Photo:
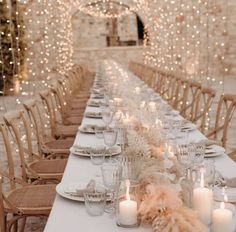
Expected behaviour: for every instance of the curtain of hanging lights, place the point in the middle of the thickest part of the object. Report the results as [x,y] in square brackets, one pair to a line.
[109,8]
[188,36]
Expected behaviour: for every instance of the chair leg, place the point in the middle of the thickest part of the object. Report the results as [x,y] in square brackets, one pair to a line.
[22,227]
[15,226]
[13,223]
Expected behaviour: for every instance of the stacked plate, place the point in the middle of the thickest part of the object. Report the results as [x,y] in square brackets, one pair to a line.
[231,194]
[75,190]
[93,114]
[90,129]
[188,127]
[213,151]
[94,103]
[86,151]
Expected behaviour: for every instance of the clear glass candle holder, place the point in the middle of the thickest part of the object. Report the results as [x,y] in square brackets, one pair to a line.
[127,204]
[131,166]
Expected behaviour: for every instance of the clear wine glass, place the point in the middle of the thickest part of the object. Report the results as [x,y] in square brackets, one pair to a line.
[185,156]
[107,117]
[110,138]
[199,151]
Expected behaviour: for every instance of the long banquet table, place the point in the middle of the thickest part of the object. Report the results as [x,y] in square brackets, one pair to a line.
[68,215]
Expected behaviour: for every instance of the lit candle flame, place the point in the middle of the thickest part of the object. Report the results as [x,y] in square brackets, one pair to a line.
[222,204]
[127,190]
[202,177]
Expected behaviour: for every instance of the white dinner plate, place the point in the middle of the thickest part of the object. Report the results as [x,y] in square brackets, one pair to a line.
[93,103]
[93,115]
[116,150]
[231,194]
[87,129]
[188,128]
[68,190]
[213,151]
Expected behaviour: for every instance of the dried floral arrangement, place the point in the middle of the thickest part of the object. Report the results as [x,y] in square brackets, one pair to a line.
[162,209]
[161,206]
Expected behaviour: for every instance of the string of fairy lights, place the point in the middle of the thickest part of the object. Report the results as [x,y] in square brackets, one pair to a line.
[186,36]
[190,37]
[109,8]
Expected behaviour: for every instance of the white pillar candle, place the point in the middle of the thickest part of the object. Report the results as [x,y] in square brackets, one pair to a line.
[128,210]
[222,219]
[202,201]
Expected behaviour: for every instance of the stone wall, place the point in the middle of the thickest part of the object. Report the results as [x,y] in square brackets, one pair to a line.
[123,55]
[90,32]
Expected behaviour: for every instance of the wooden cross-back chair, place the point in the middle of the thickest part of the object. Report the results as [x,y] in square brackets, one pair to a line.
[166,83]
[224,114]
[47,145]
[72,101]
[22,200]
[80,80]
[142,71]
[173,91]
[33,166]
[149,76]
[68,117]
[153,80]
[181,93]
[193,96]
[136,69]
[202,107]
[159,83]
[58,130]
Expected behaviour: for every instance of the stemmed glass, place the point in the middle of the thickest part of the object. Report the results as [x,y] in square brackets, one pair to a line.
[107,117]
[110,138]
[210,175]
[199,150]
[111,175]
[185,156]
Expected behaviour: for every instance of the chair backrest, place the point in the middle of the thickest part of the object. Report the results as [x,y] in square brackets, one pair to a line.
[167,82]
[47,99]
[202,107]
[34,111]
[58,94]
[2,211]
[160,82]
[174,91]
[9,155]
[193,96]
[22,137]
[224,114]
[180,94]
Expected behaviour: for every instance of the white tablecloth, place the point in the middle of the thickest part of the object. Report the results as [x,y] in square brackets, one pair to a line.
[70,216]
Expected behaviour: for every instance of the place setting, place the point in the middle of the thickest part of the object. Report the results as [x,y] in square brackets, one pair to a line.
[152,163]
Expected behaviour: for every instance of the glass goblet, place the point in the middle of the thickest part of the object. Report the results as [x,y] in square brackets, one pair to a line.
[97,154]
[107,117]
[111,175]
[110,138]
[199,150]
[95,202]
[185,156]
